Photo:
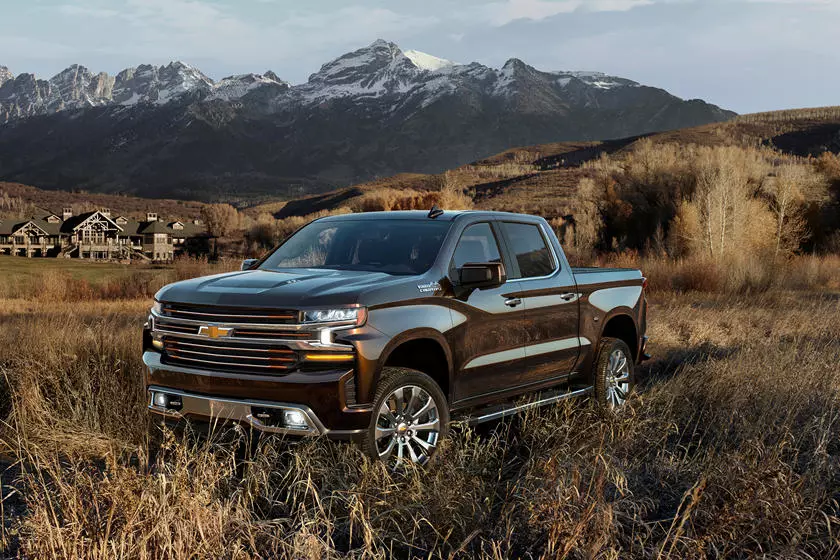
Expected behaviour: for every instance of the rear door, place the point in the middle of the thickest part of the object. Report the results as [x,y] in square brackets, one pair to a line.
[488,338]
[549,294]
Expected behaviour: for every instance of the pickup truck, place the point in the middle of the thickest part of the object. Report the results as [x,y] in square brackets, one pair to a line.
[383,327]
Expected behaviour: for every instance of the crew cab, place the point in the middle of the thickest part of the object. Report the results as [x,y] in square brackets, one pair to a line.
[383,327]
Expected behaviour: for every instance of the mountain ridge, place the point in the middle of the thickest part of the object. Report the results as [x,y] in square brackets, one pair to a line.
[173,131]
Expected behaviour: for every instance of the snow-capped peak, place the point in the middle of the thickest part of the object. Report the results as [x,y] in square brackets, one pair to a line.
[429,62]
[5,75]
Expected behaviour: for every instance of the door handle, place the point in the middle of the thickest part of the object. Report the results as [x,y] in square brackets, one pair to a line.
[513,302]
[568,297]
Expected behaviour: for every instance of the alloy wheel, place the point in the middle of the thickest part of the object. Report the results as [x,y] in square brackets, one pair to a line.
[407,426]
[618,378]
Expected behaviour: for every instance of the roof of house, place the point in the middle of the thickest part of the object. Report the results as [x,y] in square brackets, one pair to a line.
[131,227]
[8,227]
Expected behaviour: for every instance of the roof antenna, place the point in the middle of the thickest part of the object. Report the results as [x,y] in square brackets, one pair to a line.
[435,212]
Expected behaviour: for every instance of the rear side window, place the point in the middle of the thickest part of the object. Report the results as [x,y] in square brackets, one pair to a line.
[530,249]
[477,245]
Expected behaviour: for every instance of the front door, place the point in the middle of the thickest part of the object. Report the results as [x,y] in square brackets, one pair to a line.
[550,298]
[487,338]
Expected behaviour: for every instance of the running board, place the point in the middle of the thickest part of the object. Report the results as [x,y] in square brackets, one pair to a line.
[501,413]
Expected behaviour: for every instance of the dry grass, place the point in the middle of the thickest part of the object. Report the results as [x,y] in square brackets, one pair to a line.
[728,450]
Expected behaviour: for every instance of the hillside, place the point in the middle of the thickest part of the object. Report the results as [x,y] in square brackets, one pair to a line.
[543,178]
[21,200]
[172,132]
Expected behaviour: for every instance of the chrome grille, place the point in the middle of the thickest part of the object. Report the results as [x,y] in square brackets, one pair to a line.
[228,356]
[215,314]
[167,326]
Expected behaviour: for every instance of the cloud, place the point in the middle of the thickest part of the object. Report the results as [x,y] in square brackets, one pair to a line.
[501,13]
[86,11]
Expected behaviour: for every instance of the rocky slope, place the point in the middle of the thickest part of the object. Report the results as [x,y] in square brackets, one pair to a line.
[172,131]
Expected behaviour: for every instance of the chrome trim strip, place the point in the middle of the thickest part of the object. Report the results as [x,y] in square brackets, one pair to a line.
[234,409]
[225,315]
[293,343]
[473,420]
[552,346]
[236,357]
[230,347]
[229,364]
[526,351]
[496,357]
[258,326]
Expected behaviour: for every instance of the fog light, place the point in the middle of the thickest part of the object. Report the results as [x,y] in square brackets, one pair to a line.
[295,419]
[161,400]
[167,401]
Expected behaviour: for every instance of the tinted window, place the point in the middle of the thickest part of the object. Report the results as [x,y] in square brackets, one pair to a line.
[391,246]
[529,248]
[477,245]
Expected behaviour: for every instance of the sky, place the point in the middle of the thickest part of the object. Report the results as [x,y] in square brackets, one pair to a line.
[744,55]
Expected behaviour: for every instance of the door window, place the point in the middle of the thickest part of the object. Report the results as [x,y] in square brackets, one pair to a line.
[477,245]
[530,249]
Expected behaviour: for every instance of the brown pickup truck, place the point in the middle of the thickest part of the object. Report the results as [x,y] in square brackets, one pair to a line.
[384,327]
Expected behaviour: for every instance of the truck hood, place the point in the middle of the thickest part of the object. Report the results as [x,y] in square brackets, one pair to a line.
[286,289]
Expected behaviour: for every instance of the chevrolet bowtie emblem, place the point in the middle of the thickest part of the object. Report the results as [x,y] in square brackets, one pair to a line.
[213,331]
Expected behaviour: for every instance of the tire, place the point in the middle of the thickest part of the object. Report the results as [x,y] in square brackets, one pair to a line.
[405,400]
[614,373]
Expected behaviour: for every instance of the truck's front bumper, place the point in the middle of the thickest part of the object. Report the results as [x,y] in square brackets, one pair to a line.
[298,403]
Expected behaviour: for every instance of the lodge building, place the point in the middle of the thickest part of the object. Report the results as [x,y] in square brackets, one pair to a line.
[98,236]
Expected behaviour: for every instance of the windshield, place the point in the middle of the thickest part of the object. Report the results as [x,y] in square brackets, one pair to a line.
[390,246]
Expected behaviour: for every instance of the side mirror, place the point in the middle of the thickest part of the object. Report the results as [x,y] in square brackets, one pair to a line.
[482,275]
[248,263]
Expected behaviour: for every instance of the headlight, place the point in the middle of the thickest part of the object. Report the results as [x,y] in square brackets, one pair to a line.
[157,308]
[355,314]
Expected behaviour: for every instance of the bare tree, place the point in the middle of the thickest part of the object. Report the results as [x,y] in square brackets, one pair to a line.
[789,191]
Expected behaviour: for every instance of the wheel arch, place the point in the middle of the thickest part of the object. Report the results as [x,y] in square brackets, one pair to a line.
[622,326]
[424,350]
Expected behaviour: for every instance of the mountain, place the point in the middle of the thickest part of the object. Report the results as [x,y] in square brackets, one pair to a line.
[376,111]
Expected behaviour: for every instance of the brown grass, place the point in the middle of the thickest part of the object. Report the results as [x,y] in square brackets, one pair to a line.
[729,449]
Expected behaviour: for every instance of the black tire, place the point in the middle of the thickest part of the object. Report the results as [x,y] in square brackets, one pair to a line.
[397,433]
[613,387]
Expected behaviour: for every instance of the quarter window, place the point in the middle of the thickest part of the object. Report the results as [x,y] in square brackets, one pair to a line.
[530,249]
[477,245]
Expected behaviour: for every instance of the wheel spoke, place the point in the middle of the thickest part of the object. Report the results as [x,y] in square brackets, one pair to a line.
[430,404]
[400,446]
[434,425]
[389,449]
[623,378]
[424,444]
[622,363]
[384,432]
[415,396]
[620,393]
[411,452]
[399,401]
[385,412]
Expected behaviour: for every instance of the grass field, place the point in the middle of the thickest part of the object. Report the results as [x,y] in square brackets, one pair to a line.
[17,269]
[728,449]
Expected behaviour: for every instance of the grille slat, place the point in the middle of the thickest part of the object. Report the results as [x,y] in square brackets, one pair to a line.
[193,343]
[228,355]
[229,314]
[212,362]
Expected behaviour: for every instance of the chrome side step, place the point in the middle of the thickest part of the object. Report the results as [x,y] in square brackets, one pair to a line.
[509,411]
